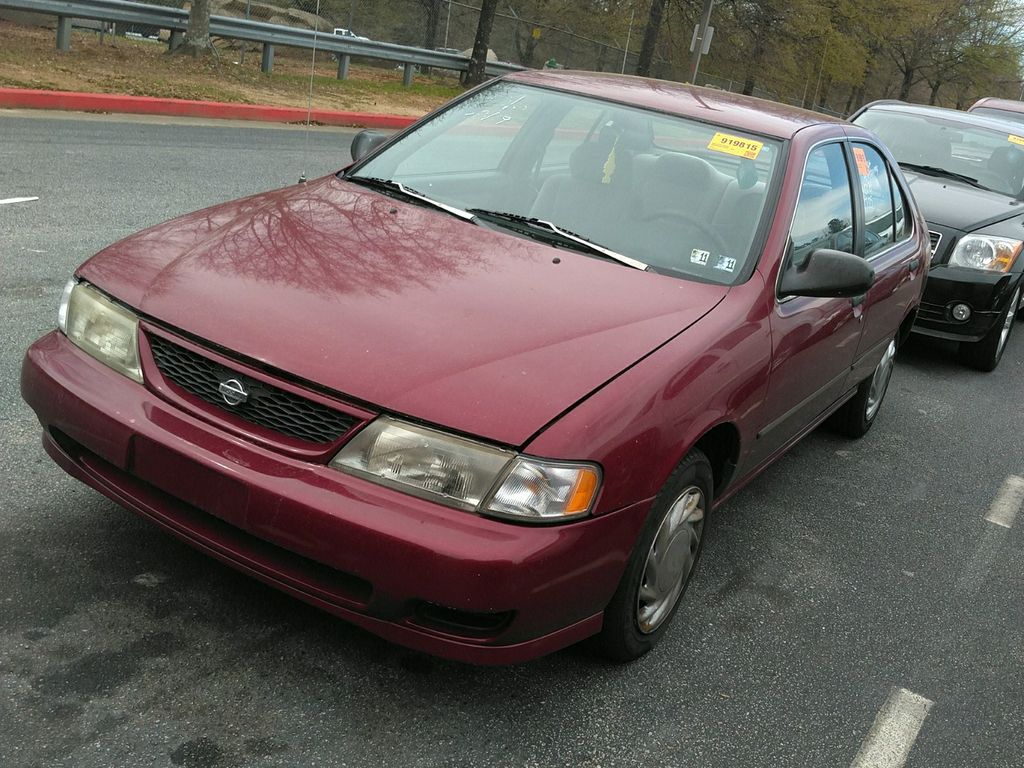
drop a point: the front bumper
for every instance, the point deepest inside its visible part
(439, 580)
(985, 293)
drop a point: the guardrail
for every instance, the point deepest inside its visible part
(175, 21)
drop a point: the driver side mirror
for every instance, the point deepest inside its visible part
(365, 142)
(828, 273)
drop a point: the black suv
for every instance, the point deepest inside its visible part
(967, 174)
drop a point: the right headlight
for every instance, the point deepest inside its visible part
(101, 328)
(993, 254)
(469, 475)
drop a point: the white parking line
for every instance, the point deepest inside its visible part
(1004, 509)
(10, 200)
(894, 731)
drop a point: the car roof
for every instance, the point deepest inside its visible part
(1010, 105)
(711, 105)
(969, 118)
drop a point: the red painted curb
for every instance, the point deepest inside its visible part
(148, 105)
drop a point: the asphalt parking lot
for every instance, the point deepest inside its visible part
(849, 582)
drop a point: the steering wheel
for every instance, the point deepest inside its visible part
(709, 239)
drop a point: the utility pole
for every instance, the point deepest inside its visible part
(698, 46)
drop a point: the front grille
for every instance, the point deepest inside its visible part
(266, 406)
(934, 238)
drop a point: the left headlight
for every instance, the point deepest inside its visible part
(103, 329)
(469, 475)
(994, 254)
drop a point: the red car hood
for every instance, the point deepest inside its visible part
(399, 305)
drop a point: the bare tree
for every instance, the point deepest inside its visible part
(478, 60)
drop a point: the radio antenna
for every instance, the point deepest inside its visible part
(309, 94)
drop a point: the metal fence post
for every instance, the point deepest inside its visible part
(267, 61)
(175, 39)
(343, 62)
(407, 74)
(63, 33)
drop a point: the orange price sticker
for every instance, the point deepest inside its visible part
(862, 162)
(735, 145)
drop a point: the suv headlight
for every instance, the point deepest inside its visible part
(101, 328)
(994, 254)
(469, 475)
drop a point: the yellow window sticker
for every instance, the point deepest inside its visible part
(1015, 139)
(734, 145)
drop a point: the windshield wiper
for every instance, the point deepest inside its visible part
(564, 234)
(389, 185)
(934, 170)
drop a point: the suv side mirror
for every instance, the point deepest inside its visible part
(365, 142)
(828, 273)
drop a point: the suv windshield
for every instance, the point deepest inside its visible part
(973, 153)
(682, 196)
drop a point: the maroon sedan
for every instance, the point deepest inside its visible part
(478, 392)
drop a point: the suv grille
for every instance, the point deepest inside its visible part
(266, 406)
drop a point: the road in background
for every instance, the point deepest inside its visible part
(848, 579)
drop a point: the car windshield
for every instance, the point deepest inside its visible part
(982, 154)
(681, 196)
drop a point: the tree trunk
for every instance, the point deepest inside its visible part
(197, 33)
(643, 64)
(848, 109)
(753, 67)
(934, 97)
(433, 9)
(478, 60)
(907, 83)
(826, 87)
(525, 46)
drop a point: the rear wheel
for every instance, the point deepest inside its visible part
(661, 564)
(856, 417)
(986, 354)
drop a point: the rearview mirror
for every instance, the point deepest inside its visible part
(828, 273)
(365, 142)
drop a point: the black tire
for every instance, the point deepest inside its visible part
(622, 638)
(855, 418)
(985, 355)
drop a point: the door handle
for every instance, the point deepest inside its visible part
(914, 264)
(856, 301)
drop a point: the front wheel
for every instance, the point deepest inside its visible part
(661, 564)
(986, 354)
(856, 417)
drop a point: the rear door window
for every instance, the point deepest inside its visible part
(876, 196)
